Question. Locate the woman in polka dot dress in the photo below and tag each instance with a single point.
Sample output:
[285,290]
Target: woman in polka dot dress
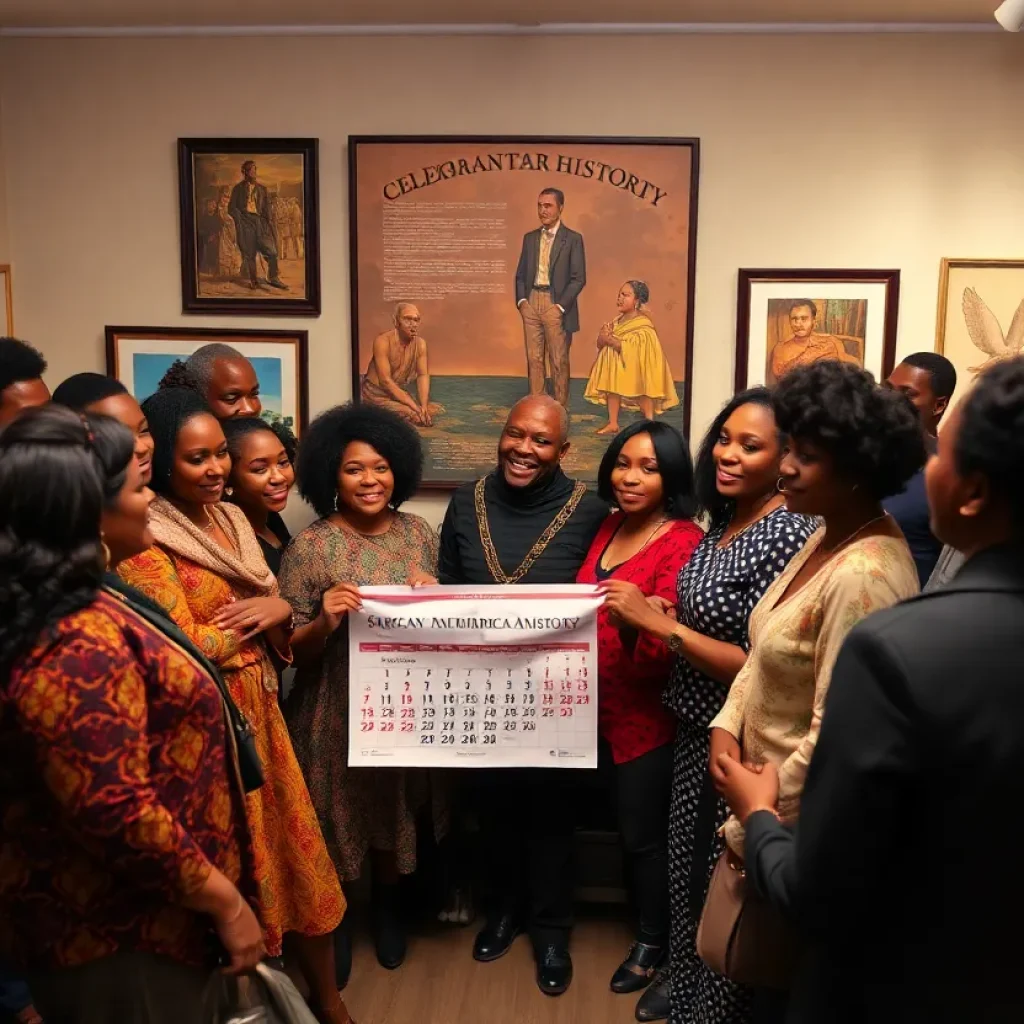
[750,540]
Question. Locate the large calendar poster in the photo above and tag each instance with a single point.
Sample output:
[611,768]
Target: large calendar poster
[474,677]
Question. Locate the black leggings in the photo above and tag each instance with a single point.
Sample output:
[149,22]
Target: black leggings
[642,788]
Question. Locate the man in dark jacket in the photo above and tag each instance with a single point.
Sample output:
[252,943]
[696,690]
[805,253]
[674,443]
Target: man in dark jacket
[250,210]
[551,274]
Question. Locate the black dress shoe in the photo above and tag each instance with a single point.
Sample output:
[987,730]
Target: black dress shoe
[554,969]
[495,939]
[636,971]
[342,953]
[387,926]
[654,1004]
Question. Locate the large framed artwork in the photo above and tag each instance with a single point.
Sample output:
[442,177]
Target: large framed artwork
[484,269]
[249,226]
[787,318]
[981,315]
[5,290]
[140,356]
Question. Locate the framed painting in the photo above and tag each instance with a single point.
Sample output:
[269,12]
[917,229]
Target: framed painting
[981,315]
[487,268]
[250,239]
[5,288]
[787,318]
[140,356]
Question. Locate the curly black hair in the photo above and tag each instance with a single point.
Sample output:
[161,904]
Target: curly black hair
[991,436]
[19,361]
[674,464]
[710,503]
[872,434]
[329,434]
[51,499]
[167,411]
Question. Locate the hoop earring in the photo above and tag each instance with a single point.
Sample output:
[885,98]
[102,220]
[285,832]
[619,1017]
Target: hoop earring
[779,485]
[335,502]
[106,555]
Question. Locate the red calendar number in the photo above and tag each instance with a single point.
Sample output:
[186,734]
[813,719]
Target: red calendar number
[408,727]
[408,712]
[366,727]
[584,699]
[387,727]
[565,712]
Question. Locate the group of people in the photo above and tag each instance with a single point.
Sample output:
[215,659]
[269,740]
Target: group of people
[772,696]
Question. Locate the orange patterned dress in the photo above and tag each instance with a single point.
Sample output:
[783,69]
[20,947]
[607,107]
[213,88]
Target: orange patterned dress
[298,886]
[118,793]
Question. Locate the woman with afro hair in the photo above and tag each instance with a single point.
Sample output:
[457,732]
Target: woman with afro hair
[851,445]
[356,466]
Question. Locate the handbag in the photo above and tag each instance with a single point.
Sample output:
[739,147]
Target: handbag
[743,937]
[250,767]
[266,996]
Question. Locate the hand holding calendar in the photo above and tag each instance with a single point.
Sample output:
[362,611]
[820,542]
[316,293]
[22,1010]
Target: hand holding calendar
[485,677]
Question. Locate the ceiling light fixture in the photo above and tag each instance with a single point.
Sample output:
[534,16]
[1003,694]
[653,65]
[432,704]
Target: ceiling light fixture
[1010,14]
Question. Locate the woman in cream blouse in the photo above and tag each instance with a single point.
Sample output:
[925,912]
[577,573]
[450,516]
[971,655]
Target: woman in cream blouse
[852,444]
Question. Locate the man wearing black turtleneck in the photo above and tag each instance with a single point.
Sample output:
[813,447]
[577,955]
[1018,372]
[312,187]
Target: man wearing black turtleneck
[526,818]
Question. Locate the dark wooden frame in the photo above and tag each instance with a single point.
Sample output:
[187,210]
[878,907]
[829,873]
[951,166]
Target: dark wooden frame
[228,337]
[354,141]
[191,302]
[890,278]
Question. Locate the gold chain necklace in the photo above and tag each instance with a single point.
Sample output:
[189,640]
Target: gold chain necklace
[491,556]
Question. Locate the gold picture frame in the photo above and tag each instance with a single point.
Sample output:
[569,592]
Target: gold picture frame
[5,273]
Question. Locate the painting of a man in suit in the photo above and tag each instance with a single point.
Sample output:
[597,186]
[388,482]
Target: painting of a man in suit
[250,209]
[551,274]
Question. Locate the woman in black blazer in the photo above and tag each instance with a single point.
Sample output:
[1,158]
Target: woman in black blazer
[904,874]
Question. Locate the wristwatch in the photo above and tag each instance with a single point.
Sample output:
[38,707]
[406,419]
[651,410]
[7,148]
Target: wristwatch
[675,642]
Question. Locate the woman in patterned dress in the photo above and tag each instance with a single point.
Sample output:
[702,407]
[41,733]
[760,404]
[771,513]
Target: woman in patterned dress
[356,467]
[207,571]
[750,539]
[123,838]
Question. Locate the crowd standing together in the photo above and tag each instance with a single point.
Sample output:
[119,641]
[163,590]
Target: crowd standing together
[781,713]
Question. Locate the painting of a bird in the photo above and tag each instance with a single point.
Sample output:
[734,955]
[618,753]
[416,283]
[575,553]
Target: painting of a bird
[987,333]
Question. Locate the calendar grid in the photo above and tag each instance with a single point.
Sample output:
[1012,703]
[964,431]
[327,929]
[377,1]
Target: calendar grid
[423,695]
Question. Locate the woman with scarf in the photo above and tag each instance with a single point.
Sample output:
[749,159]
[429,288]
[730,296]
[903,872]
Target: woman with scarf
[206,569]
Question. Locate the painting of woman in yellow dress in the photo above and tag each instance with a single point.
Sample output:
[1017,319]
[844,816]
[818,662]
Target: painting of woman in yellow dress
[630,369]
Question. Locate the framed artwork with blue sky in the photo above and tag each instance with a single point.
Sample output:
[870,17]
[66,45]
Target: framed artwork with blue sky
[140,356]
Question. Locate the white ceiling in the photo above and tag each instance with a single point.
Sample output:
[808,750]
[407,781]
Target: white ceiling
[55,14]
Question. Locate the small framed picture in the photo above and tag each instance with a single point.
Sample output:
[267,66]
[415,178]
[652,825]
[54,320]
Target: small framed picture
[140,356]
[788,318]
[249,226]
[981,315]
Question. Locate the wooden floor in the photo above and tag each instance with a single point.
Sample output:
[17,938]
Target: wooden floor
[441,983]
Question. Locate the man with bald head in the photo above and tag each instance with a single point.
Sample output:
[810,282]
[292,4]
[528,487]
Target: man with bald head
[492,530]
[399,356]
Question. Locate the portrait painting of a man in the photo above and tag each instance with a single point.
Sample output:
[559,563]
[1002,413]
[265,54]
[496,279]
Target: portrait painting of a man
[790,318]
[253,244]
[807,341]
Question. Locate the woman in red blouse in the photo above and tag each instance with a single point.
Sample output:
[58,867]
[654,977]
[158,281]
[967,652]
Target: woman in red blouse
[647,474]
[124,850]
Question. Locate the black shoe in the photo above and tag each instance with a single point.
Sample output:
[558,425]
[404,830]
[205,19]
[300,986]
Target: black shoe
[387,927]
[342,954]
[636,971]
[554,969]
[276,282]
[495,939]
[654,1004]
